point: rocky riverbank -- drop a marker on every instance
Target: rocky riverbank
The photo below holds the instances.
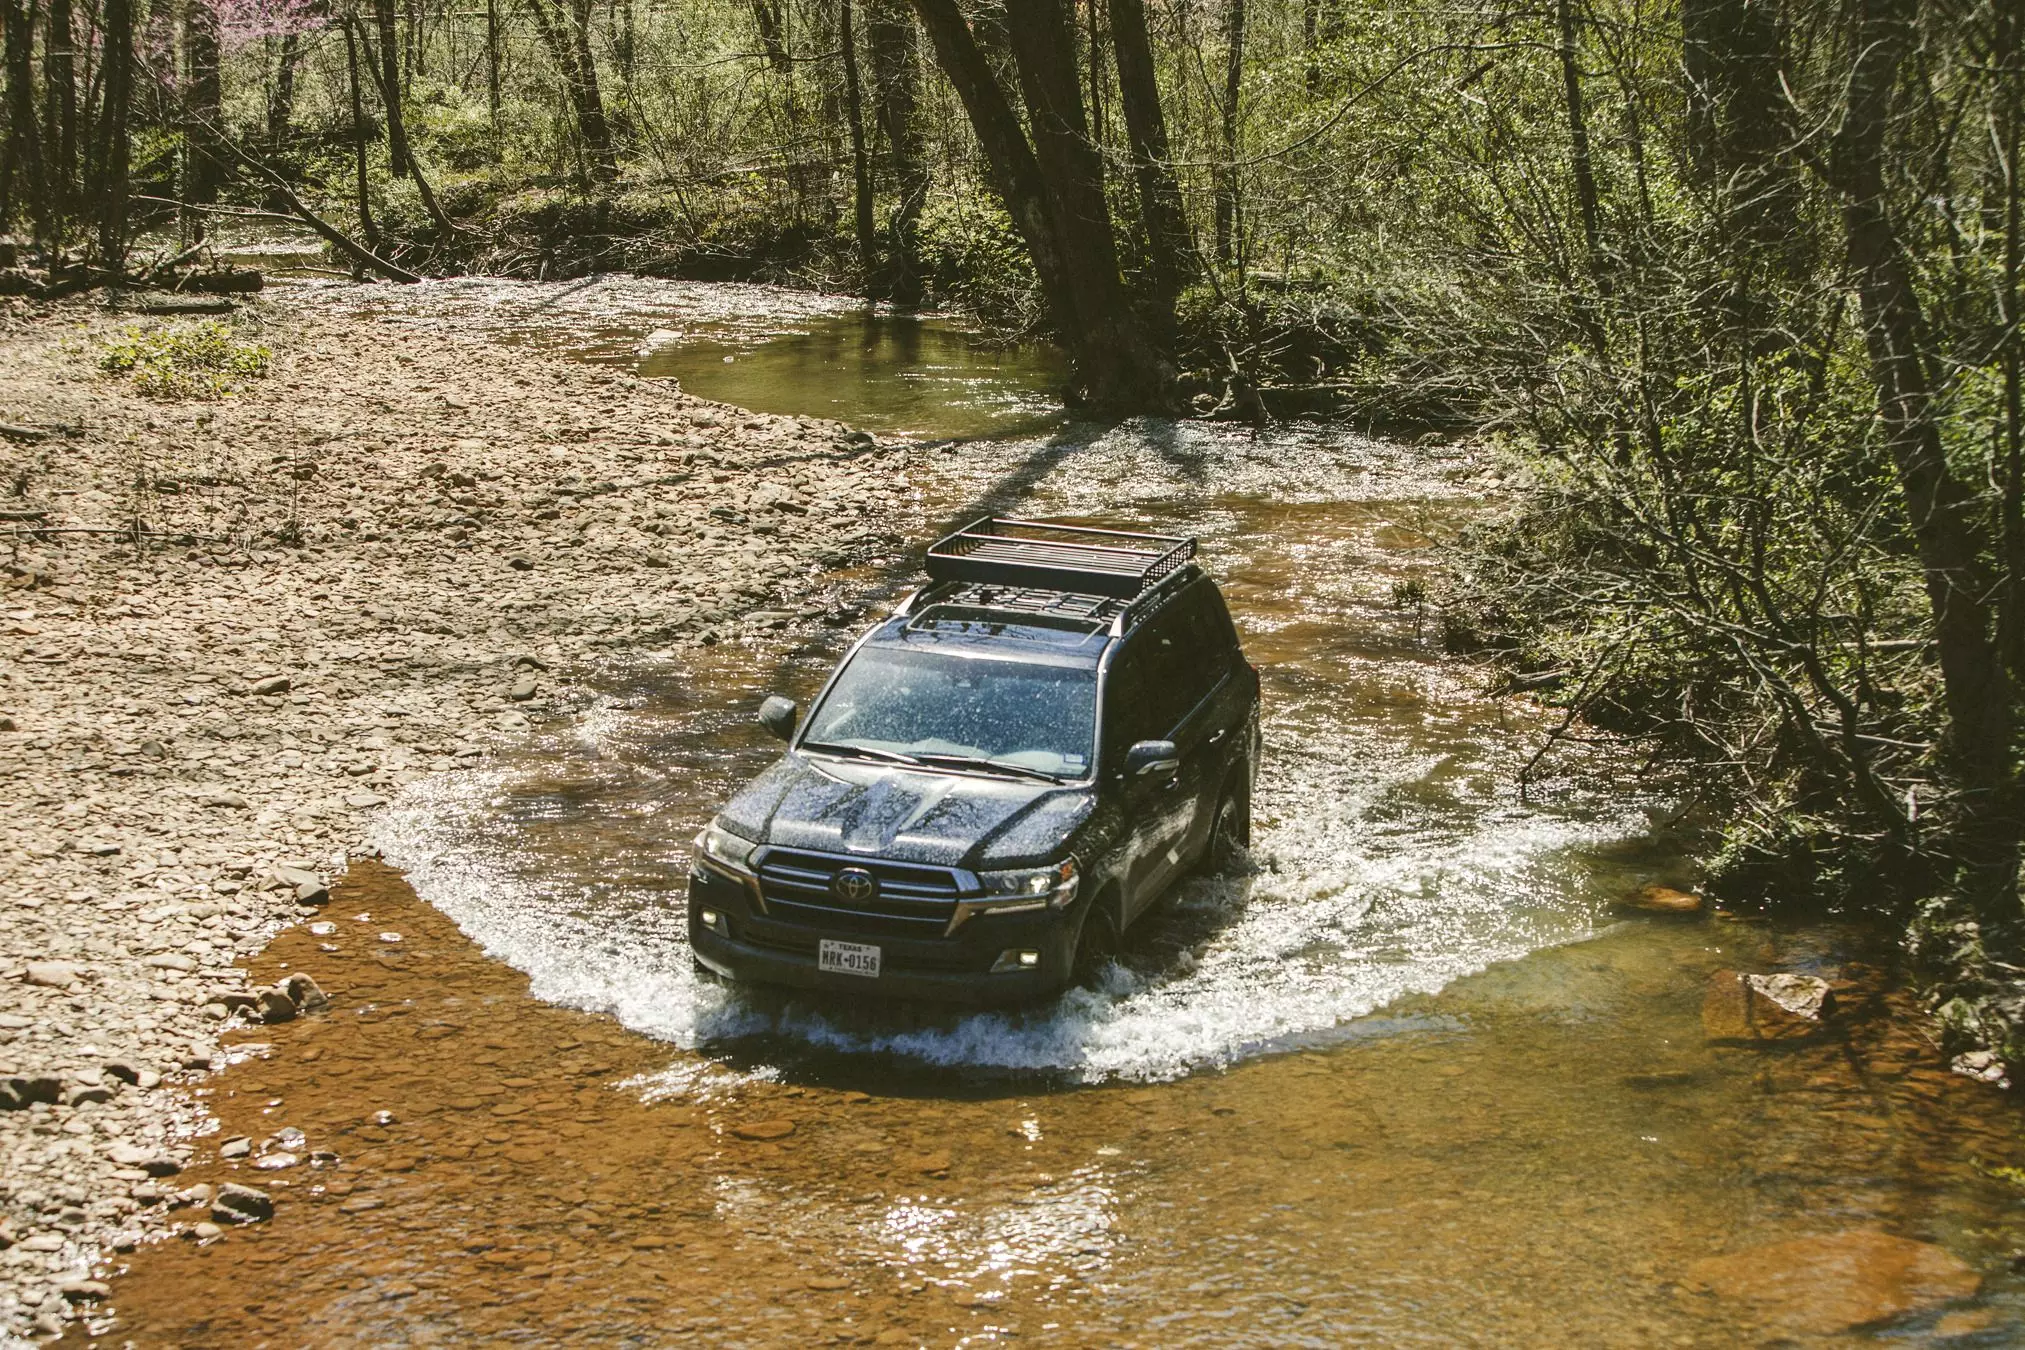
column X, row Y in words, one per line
column 233, row 629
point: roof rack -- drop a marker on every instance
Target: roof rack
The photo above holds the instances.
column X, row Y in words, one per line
column 1074, row 558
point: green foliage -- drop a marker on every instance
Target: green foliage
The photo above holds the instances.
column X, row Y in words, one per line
column 182, row 360
column 972, row 258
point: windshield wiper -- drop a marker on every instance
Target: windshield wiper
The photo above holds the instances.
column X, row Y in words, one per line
column 979, row 761
column 864, row 751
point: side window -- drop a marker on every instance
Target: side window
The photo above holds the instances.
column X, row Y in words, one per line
column 1129, row 714
column 1168, row 667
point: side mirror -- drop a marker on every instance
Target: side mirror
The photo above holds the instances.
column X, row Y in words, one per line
column 778, row 715
column 1147, row 757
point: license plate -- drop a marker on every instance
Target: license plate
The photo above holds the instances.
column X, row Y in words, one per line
column 848, row 958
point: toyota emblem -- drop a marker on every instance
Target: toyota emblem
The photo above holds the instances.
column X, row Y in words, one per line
column 854, row 886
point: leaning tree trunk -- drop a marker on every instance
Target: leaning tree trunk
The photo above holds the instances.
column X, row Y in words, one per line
column 889, row 31
column 1053, row 188
column 1947, row 521
column 1169, row 246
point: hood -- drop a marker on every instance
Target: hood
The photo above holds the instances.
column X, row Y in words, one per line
column 888, row 811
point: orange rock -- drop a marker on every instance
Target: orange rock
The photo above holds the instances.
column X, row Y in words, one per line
column 1752, row 1008
column 1824, row 1285
column 1662, row 900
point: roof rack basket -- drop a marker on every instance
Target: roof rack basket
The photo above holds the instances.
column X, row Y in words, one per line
column 1034, row 553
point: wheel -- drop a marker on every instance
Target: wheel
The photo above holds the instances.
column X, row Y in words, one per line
column 1231, row 832
column 1096, row 943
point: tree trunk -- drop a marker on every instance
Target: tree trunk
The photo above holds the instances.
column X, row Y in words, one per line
column 1168, row 244
column 110, row 159
column 1942, row 510
column 1233, row 85
column 59, row 91
column 591, row 119
column 889, row 32
column 566, row 34
column 861, row 161
column 1054, row 190
column 367, row 229
column 492, row 70
column 1578, row 138
column 390, row 86
column 21, row 170
column 772, row 36
column 1732, row 58
column 1094, row 44
column 1311, row 64
column 281, row 108
column 203, row 96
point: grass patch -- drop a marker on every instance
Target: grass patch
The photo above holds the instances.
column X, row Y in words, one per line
column 184, row 360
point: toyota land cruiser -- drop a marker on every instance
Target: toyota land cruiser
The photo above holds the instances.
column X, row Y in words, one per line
column 997, row 780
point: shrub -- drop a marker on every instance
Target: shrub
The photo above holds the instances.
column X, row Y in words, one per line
column 194, row 360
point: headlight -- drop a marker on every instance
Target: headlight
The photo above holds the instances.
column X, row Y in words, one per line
column 725, row 850
column 1027, row 888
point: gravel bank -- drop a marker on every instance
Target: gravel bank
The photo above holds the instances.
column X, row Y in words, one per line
column 397, row 545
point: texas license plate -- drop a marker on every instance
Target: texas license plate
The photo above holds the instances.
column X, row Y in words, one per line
column 848, row 958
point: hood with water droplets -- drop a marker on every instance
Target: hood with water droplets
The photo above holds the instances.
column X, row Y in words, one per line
column 887, row 811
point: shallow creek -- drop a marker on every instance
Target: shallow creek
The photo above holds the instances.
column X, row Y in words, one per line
column 1406, row 1080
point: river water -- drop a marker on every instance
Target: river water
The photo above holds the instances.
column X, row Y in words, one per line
column 1408, row 1078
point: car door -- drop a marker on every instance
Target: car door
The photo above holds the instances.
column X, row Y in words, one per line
column 1171, row 684
column 1197, row 659
column 1157, row 809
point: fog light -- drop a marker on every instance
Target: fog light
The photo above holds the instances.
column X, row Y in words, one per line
column 1013, row 958
column 712, row 920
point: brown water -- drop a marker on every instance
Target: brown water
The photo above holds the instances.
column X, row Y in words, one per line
column 1407, row 1080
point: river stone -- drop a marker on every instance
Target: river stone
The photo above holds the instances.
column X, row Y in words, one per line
column 1822, row 1286
column 241, row 1204
column 1661, row 900
column 53, row 974
column 764, row 1129
column 305, row 993
column 274, row 1005
column 1748, row 1008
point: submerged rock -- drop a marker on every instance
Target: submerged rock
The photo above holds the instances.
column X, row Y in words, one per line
column 1756, row 1008
column 1661, row 900
column 1825, row 1285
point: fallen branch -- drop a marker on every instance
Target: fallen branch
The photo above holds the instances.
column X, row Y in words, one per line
column 20, row 433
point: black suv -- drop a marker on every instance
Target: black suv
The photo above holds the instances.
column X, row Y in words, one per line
column 996, row 781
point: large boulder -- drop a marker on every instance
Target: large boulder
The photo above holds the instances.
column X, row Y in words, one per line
column 1753, row 1009
column 1823, row 1286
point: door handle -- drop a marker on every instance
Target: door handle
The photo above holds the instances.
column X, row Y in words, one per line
column 1216, row 738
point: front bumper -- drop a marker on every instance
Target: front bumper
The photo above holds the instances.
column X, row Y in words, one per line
column 954, row 969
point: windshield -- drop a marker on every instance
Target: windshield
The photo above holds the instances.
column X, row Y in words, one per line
column 1034, row 717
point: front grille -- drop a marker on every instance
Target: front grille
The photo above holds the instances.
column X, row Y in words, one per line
column 913, row 901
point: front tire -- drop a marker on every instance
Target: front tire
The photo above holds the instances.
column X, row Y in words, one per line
column 1096, row 944
column 1230, row 832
